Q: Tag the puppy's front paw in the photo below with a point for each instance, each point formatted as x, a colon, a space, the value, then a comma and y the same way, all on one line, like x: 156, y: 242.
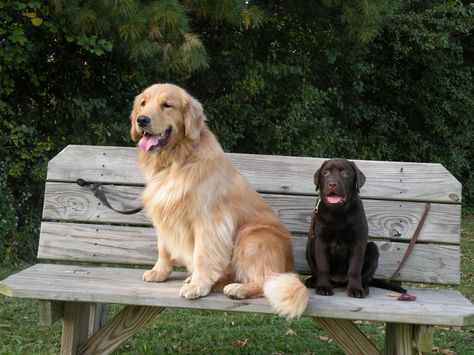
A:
x: 356, y: 292
x: 324, y: 290
x: 155, y: 275
x: 190, y: 291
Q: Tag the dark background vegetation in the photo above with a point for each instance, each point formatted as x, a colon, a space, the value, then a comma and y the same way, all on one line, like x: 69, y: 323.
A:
x: 385, y: 80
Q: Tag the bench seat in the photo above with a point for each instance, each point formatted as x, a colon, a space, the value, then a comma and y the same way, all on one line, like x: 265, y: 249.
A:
x: 124, y: 286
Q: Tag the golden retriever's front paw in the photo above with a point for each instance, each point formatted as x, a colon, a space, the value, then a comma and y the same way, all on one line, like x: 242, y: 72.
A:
x: 190, y: 291
x: 155, y: 275
x: 235, y: 291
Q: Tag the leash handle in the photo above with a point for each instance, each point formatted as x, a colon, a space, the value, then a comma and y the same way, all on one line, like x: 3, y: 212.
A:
x: 99, y: 193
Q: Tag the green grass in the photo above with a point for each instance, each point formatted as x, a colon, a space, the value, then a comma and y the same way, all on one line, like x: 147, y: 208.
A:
x: 192, y: 332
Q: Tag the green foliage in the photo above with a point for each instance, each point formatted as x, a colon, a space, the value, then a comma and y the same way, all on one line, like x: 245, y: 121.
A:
x: 7, y: 213
x: 363, y: 19
x: 356, y: 79
x: 302, y: 86
x: 157, y: 31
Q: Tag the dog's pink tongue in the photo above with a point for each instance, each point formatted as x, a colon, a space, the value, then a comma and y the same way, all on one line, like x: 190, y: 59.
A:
x: 146, y: 142
x: 334, y: 199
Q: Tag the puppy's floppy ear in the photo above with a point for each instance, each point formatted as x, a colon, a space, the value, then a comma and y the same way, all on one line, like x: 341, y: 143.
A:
x: 317, y: 176
x: 193, y: 116
x: 133, y: 116
x: 360, y: 177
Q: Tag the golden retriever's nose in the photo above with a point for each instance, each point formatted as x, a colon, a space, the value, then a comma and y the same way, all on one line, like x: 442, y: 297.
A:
x: 143, y: 121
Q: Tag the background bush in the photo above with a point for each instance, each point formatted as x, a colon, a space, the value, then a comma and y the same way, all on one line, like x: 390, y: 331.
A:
x: 354, y: 79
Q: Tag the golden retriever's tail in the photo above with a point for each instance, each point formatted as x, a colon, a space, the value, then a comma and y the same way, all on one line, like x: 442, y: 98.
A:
x: 287, y: 294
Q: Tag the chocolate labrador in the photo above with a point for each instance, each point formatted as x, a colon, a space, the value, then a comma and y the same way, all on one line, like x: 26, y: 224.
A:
x: 337, y: 251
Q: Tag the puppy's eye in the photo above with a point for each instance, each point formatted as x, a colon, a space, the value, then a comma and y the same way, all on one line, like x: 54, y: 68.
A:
x: 326, y: 173
x: 165, y: 105
x: 142, y: 103
x: 345, y: 173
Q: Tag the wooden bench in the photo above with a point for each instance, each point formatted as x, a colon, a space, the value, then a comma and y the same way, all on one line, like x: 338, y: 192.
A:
x: 90, y: 253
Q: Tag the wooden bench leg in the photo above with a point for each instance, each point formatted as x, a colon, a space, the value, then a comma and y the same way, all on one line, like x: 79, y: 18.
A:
x: 348, y: 337
x: 97, y: 317
x: 75, y: 326
x: 398, y: 339
x: 120, y: 328
x: 50, y: 312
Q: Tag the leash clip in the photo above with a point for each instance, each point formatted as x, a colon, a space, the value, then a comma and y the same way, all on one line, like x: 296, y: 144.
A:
x: 316, y: 207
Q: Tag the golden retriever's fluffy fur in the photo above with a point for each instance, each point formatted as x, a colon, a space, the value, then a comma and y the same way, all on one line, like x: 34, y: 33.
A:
x: 207, y: 217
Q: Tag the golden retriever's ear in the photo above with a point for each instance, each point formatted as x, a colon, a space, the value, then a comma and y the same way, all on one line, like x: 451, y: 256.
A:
x: 133, y: 116
x: 193, y: 115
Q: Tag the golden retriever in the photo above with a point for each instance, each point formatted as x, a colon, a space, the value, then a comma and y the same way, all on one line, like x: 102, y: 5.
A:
x: 207, y: 217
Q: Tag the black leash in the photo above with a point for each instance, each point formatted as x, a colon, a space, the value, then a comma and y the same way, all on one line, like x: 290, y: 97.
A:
x: 98, y: 191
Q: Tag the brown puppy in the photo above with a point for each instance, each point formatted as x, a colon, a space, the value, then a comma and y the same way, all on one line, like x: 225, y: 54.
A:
x: 207, y: 217
x: 338, y: 252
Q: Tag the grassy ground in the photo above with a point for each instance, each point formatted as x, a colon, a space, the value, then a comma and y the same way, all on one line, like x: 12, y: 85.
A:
x: 193, y: 332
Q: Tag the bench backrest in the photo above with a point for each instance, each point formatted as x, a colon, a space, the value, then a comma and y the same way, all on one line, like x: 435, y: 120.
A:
x: 77, y: 227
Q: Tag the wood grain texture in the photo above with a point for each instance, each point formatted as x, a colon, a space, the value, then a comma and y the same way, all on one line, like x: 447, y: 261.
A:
x: 97, y: 243
x: 428, y: 263
x: 398, y: 339
x: 75, y: 326
x: 97, y: 317
x: 396, y: 220
x: 125, y: 286
x: 126, y: 323
x: 347, y: 336
x: 290, y: 175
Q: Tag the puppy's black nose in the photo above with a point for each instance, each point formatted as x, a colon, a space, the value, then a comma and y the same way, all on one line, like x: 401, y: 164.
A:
x: 143, y: 121
x: 332, y: 185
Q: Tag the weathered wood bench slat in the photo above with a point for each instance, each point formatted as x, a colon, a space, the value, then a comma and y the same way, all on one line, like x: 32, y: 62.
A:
x: 124, y: 286
x: 387, y: 219
x: 137, y: 245
x: 269, y: 174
